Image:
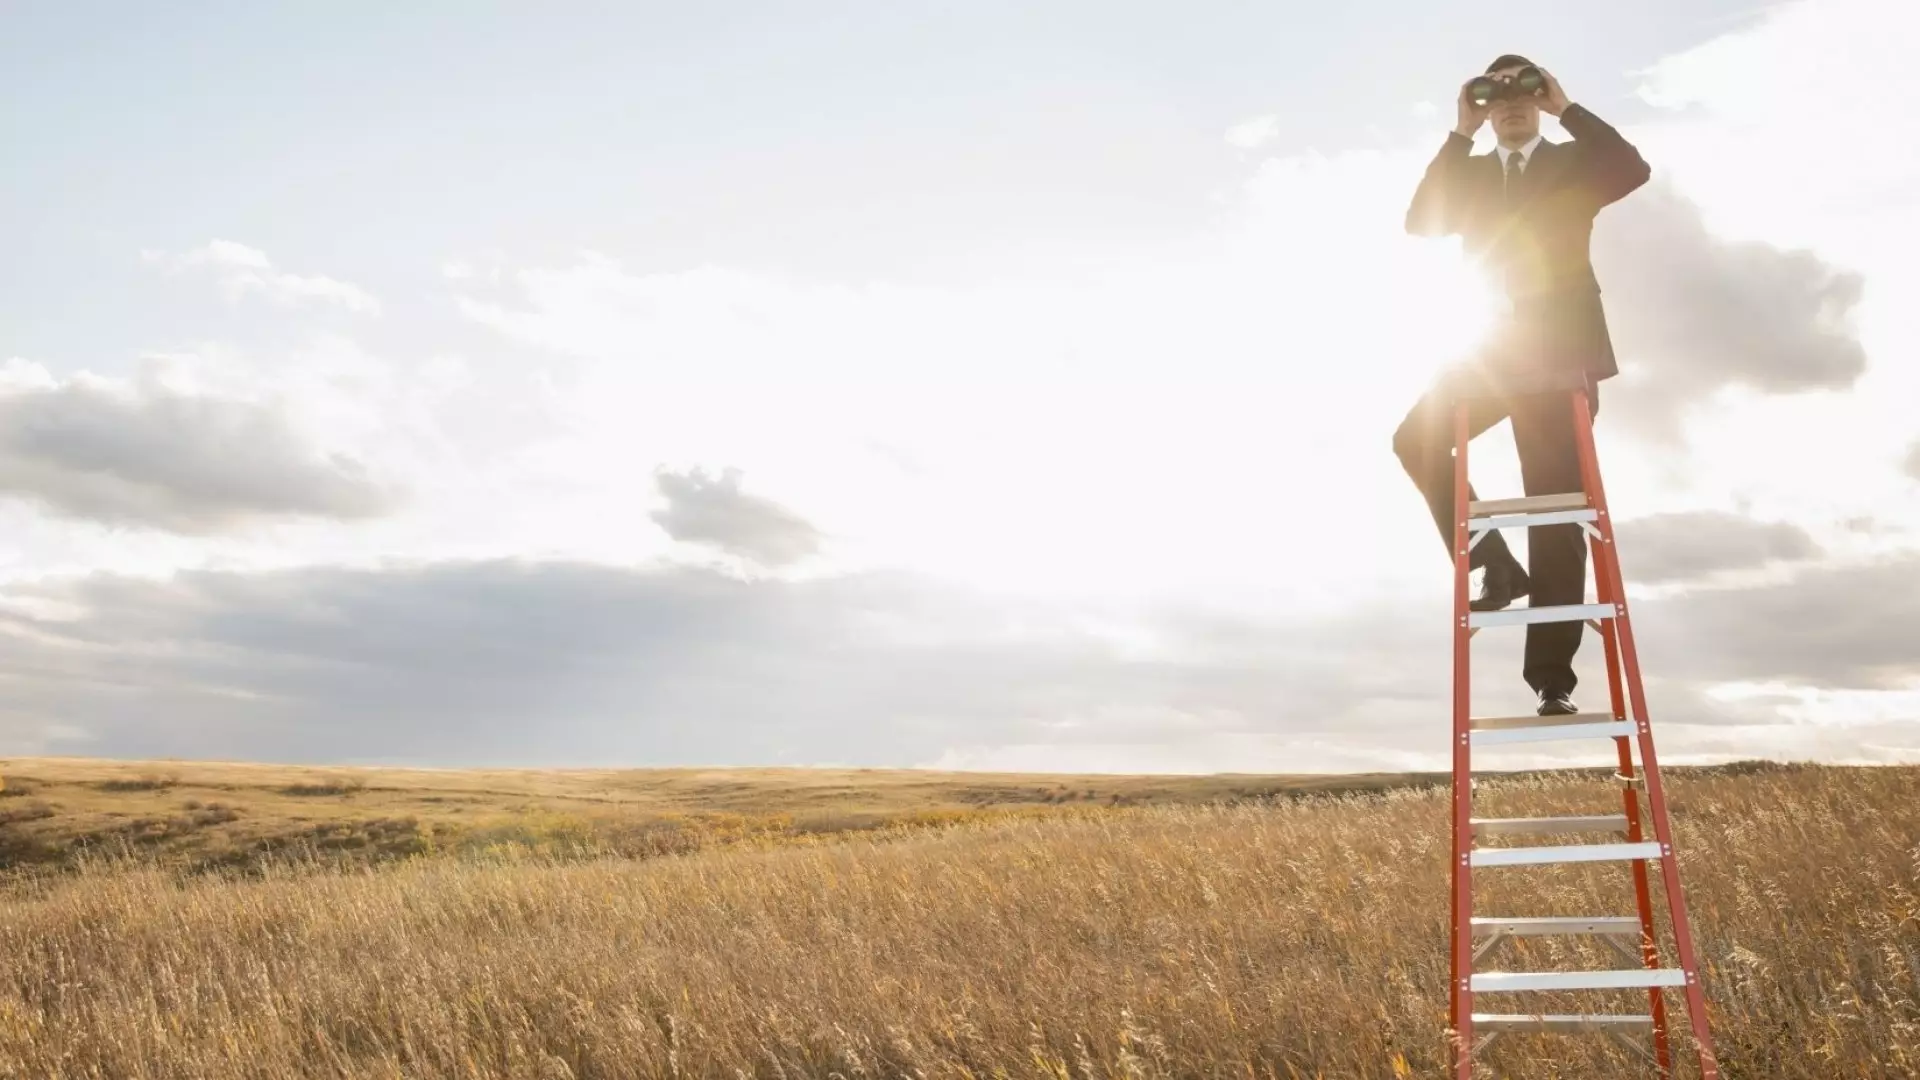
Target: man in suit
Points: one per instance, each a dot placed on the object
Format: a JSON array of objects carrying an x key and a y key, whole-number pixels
[{"x": 1526, "y": 210}]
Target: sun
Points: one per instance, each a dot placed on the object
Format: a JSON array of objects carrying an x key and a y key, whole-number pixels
[{"x": 1450, "y": 304}]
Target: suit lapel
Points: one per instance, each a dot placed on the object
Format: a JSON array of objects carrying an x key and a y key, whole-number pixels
[{"x": 1493, "y": 187}]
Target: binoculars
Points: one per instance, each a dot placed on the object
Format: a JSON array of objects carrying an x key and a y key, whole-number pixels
[{"x": 1528, "y": 82}]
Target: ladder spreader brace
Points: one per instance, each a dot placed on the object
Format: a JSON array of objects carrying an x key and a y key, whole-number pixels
[{"x": 1473, "y": 937}]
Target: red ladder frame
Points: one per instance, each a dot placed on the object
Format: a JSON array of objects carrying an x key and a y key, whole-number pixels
[{"x": 1622, "y": 657}]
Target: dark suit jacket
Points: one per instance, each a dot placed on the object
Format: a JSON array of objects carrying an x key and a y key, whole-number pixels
[{"x": 1539, "y": 250}]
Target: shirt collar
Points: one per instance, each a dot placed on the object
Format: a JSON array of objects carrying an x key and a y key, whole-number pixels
[{"x": 1525, "y": 152}]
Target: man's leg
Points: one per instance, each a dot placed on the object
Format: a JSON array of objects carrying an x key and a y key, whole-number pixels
[
  {"x": 1556, "y": 554},
  {"x": 1424, "y": 444}
]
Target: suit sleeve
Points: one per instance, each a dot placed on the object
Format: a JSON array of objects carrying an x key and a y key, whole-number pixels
[
  {"x": 1437, "y": 202},
  {"x": 1611, "y": 166}
]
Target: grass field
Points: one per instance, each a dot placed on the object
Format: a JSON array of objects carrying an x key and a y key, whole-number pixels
[
  {"x": 893, "y": 924},
  {"x": 217, "y": 815}
]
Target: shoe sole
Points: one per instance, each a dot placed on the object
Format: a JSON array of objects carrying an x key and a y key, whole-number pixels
[{"x": 1482, "y": 605}]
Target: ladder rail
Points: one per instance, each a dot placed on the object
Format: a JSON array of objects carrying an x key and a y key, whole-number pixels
[
  {"x": 1622, "y": 626},
  {"x": 1642, "y": 891},
  {"x": 1460, "y": 942}
]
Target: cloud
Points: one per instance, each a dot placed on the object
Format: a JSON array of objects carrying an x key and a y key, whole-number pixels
[
  {"x": 1732, "y": 107},
  {"x": 1846, "y": 626},
  {"x": 565, "y": 662},
  {"x": 704, "y": 510},
  {"x": 572, "y": 662},
  {"x": 241, "y": 270},
  {"x": 1673, "y": 547},
  {"x": 1911, "y": 466},
  {"x": 140, "y": 452},
  {"x": 1254, "y": 133},
  {"x": 1691, "y": 314},
  {"x": 553, "y": 663}
]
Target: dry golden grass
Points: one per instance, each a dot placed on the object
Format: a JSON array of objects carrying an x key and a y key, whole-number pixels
[
  {"x": 224, "y": 815},
  {"x": 1296, "y": 939}
]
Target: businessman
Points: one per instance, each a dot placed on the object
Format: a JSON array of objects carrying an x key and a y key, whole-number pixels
[{"x": 1526, "y": 210}]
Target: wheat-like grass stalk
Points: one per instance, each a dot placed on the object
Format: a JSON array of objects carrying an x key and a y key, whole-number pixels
[{"x": 1292, "y": 940}]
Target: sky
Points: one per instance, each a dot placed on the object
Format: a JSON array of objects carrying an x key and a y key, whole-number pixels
[{"x": 984, "y": 386}]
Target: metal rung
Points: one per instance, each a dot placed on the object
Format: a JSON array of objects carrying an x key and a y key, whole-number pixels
[
  {"x": 1570, "y": 853},
  {"x": 1494, "y": 982},
  {"x": 1543, "y": 826},
  {"x": 1564, "y": 1023},
  {"x": 1532, "y": 504},
  {"x": 1604, "y": 729},
  {"x": 1621, "y": 925},
  {"x": 1554, "y": 613},
  {"x": 1516, "y": 521}
]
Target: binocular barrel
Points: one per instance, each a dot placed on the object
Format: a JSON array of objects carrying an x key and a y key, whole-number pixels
[{"x": 1528, "y": 82}]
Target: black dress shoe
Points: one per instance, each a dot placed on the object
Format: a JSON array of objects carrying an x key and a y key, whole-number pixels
[
  {"x": 1502, "y": 585},
  {"x": 1557, "y": 703}
]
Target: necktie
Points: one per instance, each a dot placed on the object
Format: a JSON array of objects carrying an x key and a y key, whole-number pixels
[{"x": 1515, "y": 169}]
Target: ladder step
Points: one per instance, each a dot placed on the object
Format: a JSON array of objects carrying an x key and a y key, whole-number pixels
[
  {"x": 1618, "y": 925},
  {"x": 1523, "y": 616},
  {"x": 1541, "y": 826},
  {"x": 1602, "y": 729},
  {"x": 1619, "y": 979},
  {"x": 1571, "y": 853},
  {"x": 1475, "y": 526},
  {"x": 1532, "y": 504},
  {"x": 1563, "y": 1023}
]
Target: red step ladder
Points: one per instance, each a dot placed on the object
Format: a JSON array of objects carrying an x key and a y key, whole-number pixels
[{"x": 1474, "y": 936}]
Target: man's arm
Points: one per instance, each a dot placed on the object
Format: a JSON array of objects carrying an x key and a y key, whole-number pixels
[
  {"x": 1437, "y": 202},
  {"x": 1440, "y": 200},
  {"x": 1610, "y": 165}
]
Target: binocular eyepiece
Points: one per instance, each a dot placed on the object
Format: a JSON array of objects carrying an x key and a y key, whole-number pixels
[{"x": 1527, "y": 82}]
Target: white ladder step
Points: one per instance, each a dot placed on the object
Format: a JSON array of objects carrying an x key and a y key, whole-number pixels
[
  {"x": 1618, "y": 925},
  {"x": 1531, "y": 504},
  {"x": 1477, "y": 526},
  {"x": 1553, "y": 613},
  {"x": 1572, "y": 853},
  {"x": 1560, "y": 1022},
  {"x": 1540, "y": 826},
  {"x": 1592, "y": 729},
  {"x": 1493, "y": 982}
]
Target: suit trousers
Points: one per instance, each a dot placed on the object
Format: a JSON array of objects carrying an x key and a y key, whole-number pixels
[{"x": 1549, "y": 465}]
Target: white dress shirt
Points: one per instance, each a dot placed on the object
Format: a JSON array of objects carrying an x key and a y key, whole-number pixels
[{"x": 1525, "y": 152}]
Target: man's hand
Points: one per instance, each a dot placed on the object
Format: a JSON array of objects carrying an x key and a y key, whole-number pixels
[
  {"x": 1554, "y": 101},
  {"x": 1470, "y": 114}
]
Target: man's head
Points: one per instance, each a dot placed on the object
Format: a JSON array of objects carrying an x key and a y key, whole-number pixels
[{"x": 1515, "y": 120}]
